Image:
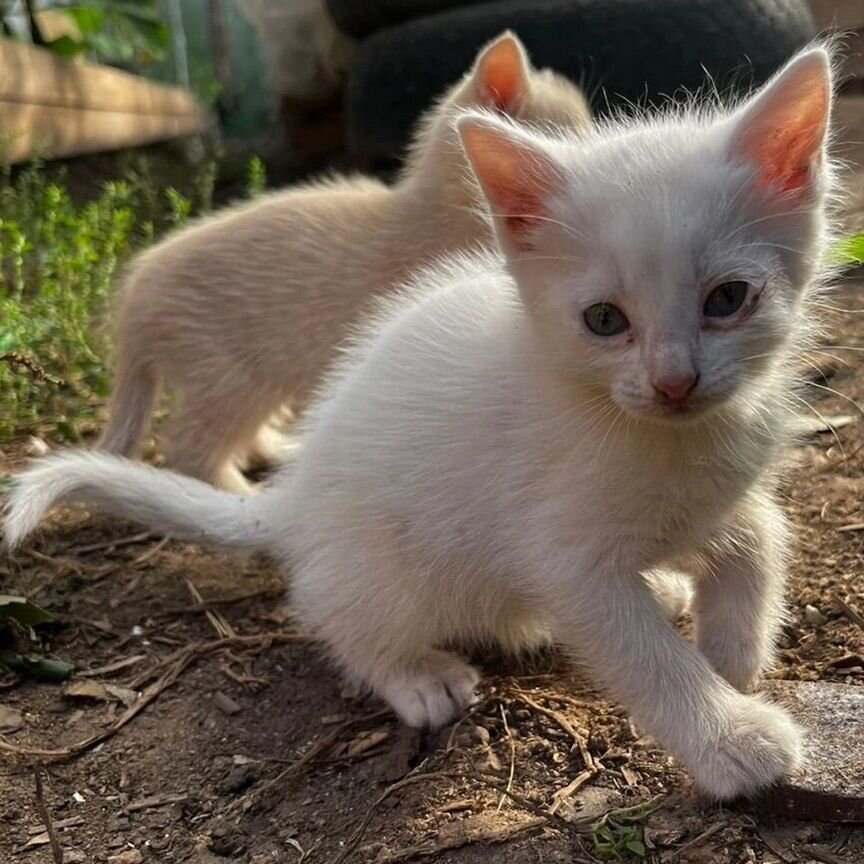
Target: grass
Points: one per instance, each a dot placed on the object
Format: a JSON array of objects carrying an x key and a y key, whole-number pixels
[{"x": 60, "y": 262}]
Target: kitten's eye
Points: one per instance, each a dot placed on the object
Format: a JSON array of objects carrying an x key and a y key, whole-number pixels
[
  {"x": 725, "y": 299},
  {"x": 604, "y": 319}
]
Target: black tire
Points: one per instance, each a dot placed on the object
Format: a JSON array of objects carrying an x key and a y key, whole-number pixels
[
  {"x": 360, "y": 18},
  {"x": 621, "y": 51}
]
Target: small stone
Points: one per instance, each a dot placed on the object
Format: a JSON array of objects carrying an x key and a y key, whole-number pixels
[
  {"x": 225, "y": 703},
  {"x": 37, "y": 446},
  {"x": 11, "y": 719},
  {"x": 227, "y": 840},
  {"x": 74, "y": 856},
  {"x": 118, "y": 823},
  {"x": 830, "y": 786},
  {"x": 240, "y": 777},
  {"x": 127, "y": 856},
  {"x": 813, "y": 616}
]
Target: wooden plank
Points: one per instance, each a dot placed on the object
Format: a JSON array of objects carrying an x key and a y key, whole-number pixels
[
  {"x": 51, "y": 132},
  {"x": 33, "y": 75}
]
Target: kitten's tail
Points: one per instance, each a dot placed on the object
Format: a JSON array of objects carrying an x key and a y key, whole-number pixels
[
  {"x": 131, "y": 403},
  {"x": 161, "y": 500}
]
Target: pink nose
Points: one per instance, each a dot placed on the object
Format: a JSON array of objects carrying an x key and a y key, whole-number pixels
[{"x": 675, "y": 388}]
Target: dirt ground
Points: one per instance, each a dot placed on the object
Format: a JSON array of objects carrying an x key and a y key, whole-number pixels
[{"x": 243, "y": 746}]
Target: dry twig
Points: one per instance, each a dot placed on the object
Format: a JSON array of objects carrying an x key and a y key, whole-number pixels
[
  {"x": 169, "y": 671},
  {"x": 852, "y": 614},
  {"x": 45, "y": 816},
  {"x": 564, "y": 723},
  {"x": 476, "y": 834}
]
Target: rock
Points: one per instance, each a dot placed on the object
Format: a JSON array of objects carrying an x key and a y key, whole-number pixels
[
  {"x": 226, "y": 704},
  {"x": 591, "y": 803},
  {"x": 813, "y": 616},
  {"x": 830, "y": 786},
  {"x": 74, "y": 856},
  {"x": 227, "y": 840},
  {"x": 11, "y": 719},
  {"x": 240, "y": 777},
  {"x": 127, "y": 856}
]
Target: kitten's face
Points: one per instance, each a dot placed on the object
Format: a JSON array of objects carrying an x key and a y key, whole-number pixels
[
  {"x": 664, "y": 262},
  {"x": 669, "y": 287}
]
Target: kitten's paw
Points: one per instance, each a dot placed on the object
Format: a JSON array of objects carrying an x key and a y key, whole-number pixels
[
  {"x": 761, "y": 744},
  {"x": 433, "y": 692}
]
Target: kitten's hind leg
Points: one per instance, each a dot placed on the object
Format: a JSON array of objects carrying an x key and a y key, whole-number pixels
[
  {"x": 270, "y": 447},
  {"x": 673, "y": 589},
  {"x": 383, "y": 623},
  {"x": 205, "y": 438}
]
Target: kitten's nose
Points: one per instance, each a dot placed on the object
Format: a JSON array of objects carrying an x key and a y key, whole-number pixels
[{"x": 675, "y": 388}]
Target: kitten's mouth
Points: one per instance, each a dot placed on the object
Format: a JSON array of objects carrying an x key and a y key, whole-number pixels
[{"x": 679, "y": 411}]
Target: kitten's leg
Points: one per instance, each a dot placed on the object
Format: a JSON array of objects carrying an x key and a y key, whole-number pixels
[
  {"x": 739, "y": 597},
  {"x": 270, "y": 447},
  {"x": 673, "y": 589},
  {"x": 731, "y": 744},
  {"x": 518, "y": 629},
  {"x": 205, "y": 438},
  {"x": 382, "y": 621}
]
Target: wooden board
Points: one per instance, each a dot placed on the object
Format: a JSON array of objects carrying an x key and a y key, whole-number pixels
[{"x": 55, "y": 107}]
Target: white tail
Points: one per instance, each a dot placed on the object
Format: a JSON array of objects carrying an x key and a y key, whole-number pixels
[{"x": 162, "y": 500}]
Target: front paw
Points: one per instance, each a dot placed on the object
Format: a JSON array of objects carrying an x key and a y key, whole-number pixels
[{"x": 756, "y": 744}]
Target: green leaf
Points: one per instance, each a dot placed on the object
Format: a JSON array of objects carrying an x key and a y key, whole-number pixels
[
  {"x": 22, "y": 610},
  {"x": 637, "y": 847},
  {"x": 39, "y": 668},
  {"x": 89, "y": 18},
  {"x": 66, "y": 46},
  {"x": 68, "y": 431}
]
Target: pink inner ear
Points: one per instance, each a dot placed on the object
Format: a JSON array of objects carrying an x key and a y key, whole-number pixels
[
  {"x": 516, "y": 178},
  {"x": 784, "y": 130},
  {"x": 502, "y": 73}
]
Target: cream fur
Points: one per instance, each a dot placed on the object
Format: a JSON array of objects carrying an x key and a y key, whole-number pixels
[
  {"x": 481, "y": 467},
  {"x": 242, "y": 313}
]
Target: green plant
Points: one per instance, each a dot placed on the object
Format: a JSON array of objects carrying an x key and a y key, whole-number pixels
[
  {"x": 256, "y": 178},
  {"x": 620, "y": 834},
  {"x": 59, "y": 263},
  {"x": 19, "y": 618},
  {"x": 128, "y": 32}
]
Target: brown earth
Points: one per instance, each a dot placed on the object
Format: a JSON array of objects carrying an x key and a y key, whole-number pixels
[{"x": 248, "y": 750}]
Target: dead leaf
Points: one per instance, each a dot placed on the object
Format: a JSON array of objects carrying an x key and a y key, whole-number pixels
[
  {"x": 11, "y": 720},
  {"x": 98, "y": 692}
]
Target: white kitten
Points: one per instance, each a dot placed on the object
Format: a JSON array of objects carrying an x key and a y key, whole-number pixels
[
  {"x": 521, "y": 437},
  {"x": 242, "y": 313}
]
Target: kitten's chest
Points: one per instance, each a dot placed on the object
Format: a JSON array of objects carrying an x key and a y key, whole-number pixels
[{"x": 666, "y": 501}]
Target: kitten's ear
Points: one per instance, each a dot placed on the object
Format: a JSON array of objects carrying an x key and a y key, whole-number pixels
[
  {"x": 517, "y": 176},
  {"x": 501, "y": 72},
  {"x": 783, "y": 128}
]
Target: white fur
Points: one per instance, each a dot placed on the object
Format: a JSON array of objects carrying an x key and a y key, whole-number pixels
[{"x": 482, "y": 468}]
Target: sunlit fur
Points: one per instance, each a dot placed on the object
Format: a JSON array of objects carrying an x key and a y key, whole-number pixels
[
  {"x": 479, "y": 467},
  {"x": 241, "y": 313}
]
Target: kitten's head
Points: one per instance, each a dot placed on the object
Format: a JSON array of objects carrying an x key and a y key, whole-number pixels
[
  {"x": 666, "y": 263},
  {"x": 501, "y": 80}
]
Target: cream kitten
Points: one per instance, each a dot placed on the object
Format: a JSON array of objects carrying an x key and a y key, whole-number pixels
[
  {"x": 242, "y": 313},
  {"x": 521, "y": 437}
]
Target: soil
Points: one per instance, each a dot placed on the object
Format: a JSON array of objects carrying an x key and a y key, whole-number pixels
[{"x": 249, "y": 749}]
